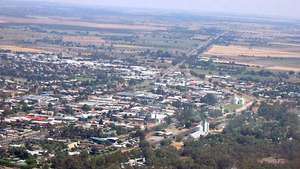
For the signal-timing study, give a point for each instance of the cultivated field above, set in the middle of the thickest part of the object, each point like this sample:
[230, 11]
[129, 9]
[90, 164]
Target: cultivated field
[131, 46]
[277, 64]
[84, 40]
[267, 58]
[282, 68]
[234, 50]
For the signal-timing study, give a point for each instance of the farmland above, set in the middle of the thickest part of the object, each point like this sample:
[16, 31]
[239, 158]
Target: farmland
[269, 58]
[75, 22]
[233, 50]
[20, 49]
[93, 88]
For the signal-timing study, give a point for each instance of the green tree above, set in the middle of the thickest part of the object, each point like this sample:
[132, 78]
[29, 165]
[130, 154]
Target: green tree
[210, 99]
[86, 108]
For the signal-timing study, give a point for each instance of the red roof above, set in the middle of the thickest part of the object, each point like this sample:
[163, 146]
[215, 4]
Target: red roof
[36, 118]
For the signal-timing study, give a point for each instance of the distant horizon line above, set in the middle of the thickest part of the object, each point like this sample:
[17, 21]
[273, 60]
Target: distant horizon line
[229, 15]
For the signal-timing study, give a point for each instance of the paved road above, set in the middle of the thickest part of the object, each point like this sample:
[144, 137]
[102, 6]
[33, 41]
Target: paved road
[193, 52]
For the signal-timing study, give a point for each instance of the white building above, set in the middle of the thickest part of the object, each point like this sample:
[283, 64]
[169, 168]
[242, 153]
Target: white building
[201, 130]
[238, 100]
[159, 118]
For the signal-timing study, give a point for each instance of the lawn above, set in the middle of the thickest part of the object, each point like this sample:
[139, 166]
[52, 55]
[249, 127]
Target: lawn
[232, 107]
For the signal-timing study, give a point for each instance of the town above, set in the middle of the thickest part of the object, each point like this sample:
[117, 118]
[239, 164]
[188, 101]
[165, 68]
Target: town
[103, 99]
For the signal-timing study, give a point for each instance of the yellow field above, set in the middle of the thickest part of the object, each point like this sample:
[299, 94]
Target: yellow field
[76, 22]
[84, 40]
[282, 68]
[234, 50]
[20, 49]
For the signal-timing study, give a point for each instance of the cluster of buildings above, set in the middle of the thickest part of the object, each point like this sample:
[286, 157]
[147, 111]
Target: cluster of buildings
[98, 105]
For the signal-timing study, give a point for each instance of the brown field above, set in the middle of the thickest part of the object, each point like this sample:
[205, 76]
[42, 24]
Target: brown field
[84, 40]
[234, 50]
[282, 68]
[267, 58]
[13, 35]
[278, 67]
[131, 46]
[76, 22]
[20, 49]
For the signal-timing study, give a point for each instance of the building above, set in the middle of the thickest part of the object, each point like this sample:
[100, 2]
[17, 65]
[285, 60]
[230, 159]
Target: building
[238, 100]
[73, 145]
[158, 118]
[107, 141]
[201, 130]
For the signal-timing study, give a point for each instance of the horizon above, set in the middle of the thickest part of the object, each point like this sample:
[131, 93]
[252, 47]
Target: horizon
[286, 9]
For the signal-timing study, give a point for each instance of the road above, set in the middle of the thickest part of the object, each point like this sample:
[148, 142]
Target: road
[193, 52]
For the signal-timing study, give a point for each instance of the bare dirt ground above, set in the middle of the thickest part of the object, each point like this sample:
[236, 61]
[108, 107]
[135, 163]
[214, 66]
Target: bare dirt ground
[177, 145]
[234, 50]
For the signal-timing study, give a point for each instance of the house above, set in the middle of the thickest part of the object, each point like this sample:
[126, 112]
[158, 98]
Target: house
[74, 153]
[136, 162]
[40, 99]
[36, 152]
[158, 118]
[73, 145]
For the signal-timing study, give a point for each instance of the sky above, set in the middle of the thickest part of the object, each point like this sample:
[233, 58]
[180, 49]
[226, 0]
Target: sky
[280, 8]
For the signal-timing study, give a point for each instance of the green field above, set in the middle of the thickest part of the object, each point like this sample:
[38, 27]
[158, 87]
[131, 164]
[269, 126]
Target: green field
[232, 107]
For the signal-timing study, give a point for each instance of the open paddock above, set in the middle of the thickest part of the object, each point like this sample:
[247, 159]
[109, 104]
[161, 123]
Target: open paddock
[21, 49]
[84, 40]
[131, 46]
[276, 64]
[234, 50]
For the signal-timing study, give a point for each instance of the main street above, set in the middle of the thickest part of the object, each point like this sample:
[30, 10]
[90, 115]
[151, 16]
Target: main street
[190, 54]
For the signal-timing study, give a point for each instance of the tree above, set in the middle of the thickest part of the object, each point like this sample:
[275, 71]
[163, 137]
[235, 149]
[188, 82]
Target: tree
[50, 107]
[19, 152]
[25, 107]
[68, 110]
[86, 107]
[210, 99]
[31, 162]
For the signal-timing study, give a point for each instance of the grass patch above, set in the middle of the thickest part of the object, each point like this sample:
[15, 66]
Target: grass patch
[83, 78]
[232, 107]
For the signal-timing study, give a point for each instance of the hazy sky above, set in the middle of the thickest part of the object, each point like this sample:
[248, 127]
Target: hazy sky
[285, 8]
